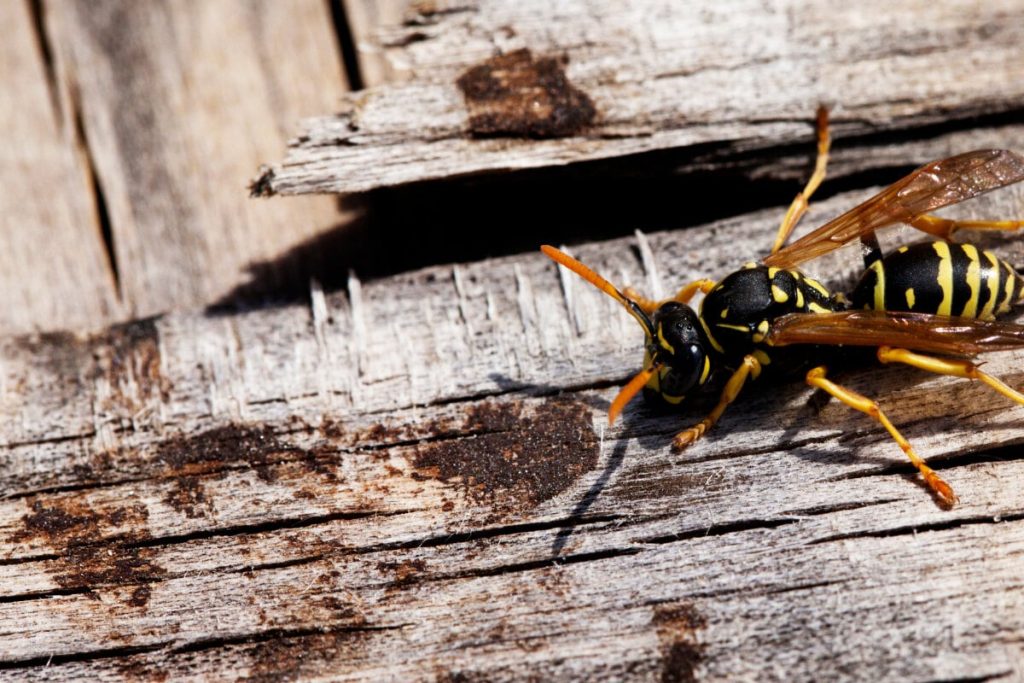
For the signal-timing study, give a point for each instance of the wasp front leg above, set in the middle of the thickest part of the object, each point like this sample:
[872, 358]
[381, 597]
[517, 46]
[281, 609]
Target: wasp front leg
[683, 296]
[749, 366]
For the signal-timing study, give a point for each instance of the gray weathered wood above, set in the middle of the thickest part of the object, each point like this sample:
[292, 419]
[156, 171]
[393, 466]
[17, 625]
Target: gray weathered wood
[367, 18]
[413, 480]
[53, 269]
[660, 75]
[179, 101]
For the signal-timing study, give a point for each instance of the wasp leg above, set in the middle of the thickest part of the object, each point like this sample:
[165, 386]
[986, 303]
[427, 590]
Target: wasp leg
[944, 227]
[943, 366]
[798, 208]
[648, 306]
[749, 366]
[683, 296]
[816, 378]
[703, 286]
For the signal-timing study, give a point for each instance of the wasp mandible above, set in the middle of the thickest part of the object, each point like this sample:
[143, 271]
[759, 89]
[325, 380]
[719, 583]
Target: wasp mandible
[937, 297]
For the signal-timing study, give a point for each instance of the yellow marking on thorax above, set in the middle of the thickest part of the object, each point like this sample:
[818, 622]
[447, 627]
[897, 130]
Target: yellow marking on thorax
[749, 265]
[779, 294]
[815, 307]
[992, 280]
[910, 298]
[762, 332]
[711, 337]
[799, 297]
[772, 272]
[725, 313]
[737, 328]
[818, 286]
[707, 369]
[903, 249]
[973, 281]
[944, 278]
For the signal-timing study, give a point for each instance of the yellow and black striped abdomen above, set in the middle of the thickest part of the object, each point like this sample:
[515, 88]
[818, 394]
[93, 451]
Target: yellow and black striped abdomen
[940, 278]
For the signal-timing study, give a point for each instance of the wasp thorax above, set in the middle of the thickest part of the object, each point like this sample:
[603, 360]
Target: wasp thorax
[679, 343]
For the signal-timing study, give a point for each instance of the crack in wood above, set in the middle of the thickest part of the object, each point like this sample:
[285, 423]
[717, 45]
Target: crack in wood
[173, 647]
[920, 528]
[533, 565]
[738, 526]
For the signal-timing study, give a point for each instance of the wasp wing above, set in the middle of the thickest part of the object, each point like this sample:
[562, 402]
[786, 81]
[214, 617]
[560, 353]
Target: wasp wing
[914, 331]
[933, 186]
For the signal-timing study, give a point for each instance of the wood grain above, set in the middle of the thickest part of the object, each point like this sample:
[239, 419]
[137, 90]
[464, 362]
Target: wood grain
[662, 75]
[412, 479]
[178, 101]
[367, 19]
[53, 269]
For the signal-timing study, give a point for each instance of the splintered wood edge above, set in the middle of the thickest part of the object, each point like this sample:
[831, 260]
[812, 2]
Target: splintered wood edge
[459, 113]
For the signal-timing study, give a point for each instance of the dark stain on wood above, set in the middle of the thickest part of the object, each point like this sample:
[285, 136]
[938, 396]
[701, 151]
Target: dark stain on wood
[192, 460]
[515, 95]
[677, 625]
[78, 532]
[130, 353]
[404, 573]
[126, 356]
[296, 658]
[520, 459]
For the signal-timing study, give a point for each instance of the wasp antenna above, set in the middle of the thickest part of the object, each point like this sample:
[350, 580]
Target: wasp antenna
[563, 259]
[627, 392]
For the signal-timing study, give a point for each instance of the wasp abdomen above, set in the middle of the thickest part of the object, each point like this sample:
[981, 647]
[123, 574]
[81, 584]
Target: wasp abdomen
[940, 278]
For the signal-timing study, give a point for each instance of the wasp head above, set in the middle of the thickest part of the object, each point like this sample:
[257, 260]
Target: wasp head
[679, 345]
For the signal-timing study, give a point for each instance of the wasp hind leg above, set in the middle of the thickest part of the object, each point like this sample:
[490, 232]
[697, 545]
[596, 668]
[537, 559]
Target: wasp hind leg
[816, 378]
[749, 366]
[944, 366]
[944, 227]
[683, 296]
[798, 208]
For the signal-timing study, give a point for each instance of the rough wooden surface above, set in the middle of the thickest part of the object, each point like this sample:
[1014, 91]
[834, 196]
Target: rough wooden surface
[367, 18]
[176, 109]
[658, 75]
[65, 279]
[413, 480]
[167, 111]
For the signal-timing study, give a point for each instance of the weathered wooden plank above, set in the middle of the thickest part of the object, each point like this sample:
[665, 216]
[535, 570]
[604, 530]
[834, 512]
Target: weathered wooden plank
[177, 110]
[647, 76]
[385, 484]
[367, 18]
[65, 279]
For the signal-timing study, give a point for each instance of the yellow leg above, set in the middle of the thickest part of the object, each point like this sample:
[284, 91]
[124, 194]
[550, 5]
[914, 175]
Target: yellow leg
[942, 366]
[732, 389]
[683, 296]
[944, 228]
[816, 378]
[799, 206]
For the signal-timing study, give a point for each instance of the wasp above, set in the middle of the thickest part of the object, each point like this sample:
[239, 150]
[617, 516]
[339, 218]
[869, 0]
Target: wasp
[931, 305]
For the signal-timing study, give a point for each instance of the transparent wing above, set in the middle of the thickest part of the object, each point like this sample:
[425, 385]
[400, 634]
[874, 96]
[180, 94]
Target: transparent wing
[933, 186]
